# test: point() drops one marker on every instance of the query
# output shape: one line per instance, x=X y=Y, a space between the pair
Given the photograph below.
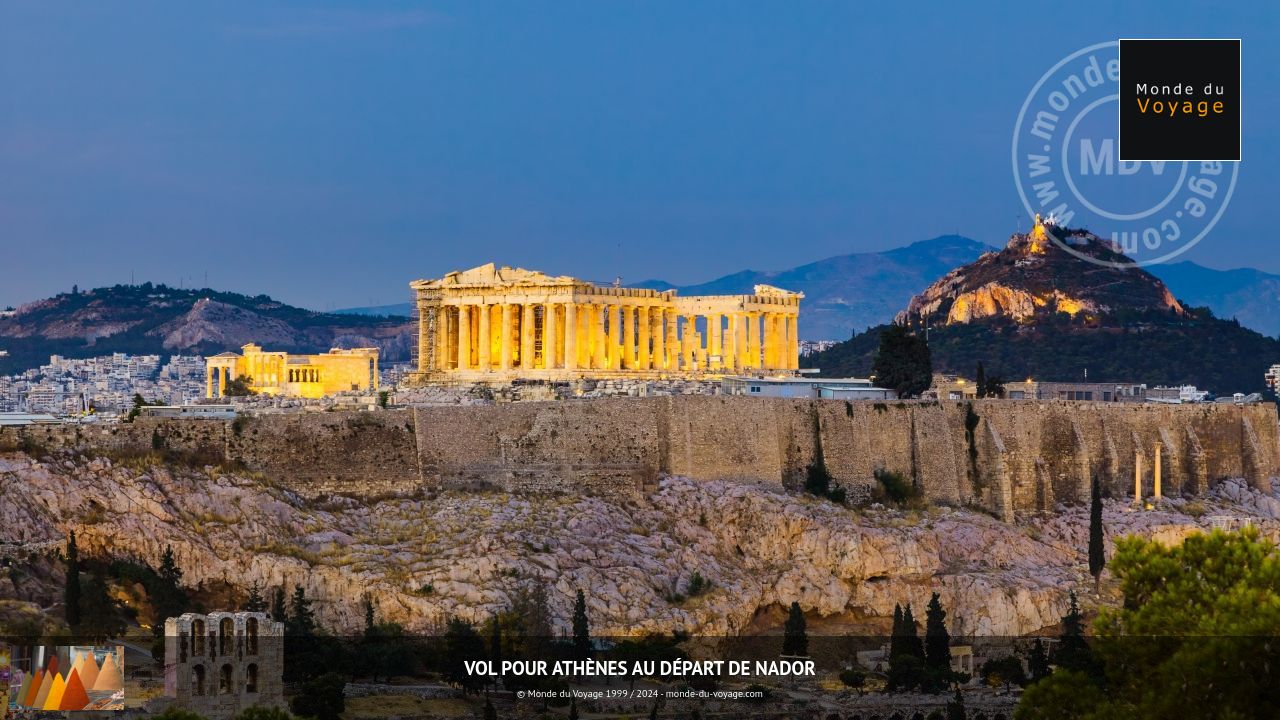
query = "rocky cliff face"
x=1035 y=276
x=465 y=554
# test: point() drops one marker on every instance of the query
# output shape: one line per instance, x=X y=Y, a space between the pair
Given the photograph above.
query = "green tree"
x=99 y=617
x=1073 y=652
x=490 y=713
x=903 y=363
x=255 y=602
x=581 y=629
x=1004 y=671
x=321 y=698
x=278 y=608
x=495 y=643
x=573 y=709
x=1037 y=662
x=795 y=639
x=1193 y=638
x=463 y=644
x=937 y=646
x=301 y=620
x=906 y=654
x=71 y=594
x=1097 y=551
x=240 y=386
x=980 y=381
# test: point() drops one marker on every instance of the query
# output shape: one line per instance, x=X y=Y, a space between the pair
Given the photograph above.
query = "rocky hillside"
x=1033 y=309
x=155 y=319
x=1034 y=278
x=465 y=554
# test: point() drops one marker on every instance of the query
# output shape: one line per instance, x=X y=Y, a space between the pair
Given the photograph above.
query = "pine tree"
x=795 y=640
x=1038 y=661
x=278 y=611
x=71 y=596
x=1097 y=554
x=581 y=629
x=1073 y=652
x=302 y=621
x=937 y=645
x=255 y=602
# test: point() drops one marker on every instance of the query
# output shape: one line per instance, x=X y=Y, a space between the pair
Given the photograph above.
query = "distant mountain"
x=155 y=319
x=396 y=310
x=1248 y=295
x=1034 y=310
x=849 y=292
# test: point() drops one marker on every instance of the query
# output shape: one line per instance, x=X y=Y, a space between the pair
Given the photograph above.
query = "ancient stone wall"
x=1008 y=456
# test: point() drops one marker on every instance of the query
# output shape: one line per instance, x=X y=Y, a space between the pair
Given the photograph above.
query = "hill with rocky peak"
x=1033 y=276
x=156 y=319
x=1034 y=309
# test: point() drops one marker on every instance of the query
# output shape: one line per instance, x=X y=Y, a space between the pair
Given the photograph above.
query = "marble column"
x=792 y=341
x=642 y=342
x=505 y=339
x=715 y=344
x=769 y=339
x=628 y=337
x=208 y=381
x=730 y=345
x=658 y=329
x=527 y=327
x=444 y=338
x=753 y=340
x=464 y=337
x=599 y=340
x=673 y=340
x=424 y=320
x=550 y=346
x=614 y=360
x=570 y=336
x=485 y=344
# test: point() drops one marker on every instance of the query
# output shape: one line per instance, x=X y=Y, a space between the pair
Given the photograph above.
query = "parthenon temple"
x=499 y=324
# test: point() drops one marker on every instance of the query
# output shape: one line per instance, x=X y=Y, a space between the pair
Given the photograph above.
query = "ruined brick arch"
x=251 y=678
x=918 y=716
x=251 y=636
x=197 y=638
x=226 y=636
x=226 y=680
x=198 y=680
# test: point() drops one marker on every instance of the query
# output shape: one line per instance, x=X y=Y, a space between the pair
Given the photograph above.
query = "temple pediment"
x=771 y=291
x=490 y=275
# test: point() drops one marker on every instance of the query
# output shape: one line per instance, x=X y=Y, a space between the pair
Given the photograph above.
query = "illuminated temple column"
x=769 y=338
x=504 y=336
x=715 y=347
x=485 y=340
x=740 y=340
x=642 y=344
x=464 y=337
x=424 y=319
x=628 y=337
x=550 y=341
x=527 y=322
x=793 y=341
x=729 y=348
x=615 y=337
x=753 y=340
x=672 y=320
x=444 y=338
x=208 y=381
x=570 y=336
x=599 y=354
x=659 y=335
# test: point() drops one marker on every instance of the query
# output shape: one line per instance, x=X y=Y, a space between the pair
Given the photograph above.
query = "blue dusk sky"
x=328 y=153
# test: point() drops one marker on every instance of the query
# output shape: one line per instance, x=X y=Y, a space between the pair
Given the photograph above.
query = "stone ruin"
x=224 y=662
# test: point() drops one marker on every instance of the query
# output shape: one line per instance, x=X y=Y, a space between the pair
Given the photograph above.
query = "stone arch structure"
x=219 y=664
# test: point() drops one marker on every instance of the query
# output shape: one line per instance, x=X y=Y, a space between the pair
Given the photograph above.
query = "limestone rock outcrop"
x=428 y=557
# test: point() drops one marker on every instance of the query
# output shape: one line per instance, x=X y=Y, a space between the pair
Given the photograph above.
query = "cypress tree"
x=937 y=645
x=495 y=644
x=573 y=709
x=1097 y=554
x=302 y=621
x=255 y=602
x=1038 y=662
x=581 y=629
x=895 y=639
x=795 y=640
x=911 y=634
x=368 y=616
x=71 y=596
x=981 y=381
x=955 y=708
x=490 y=713
x=278 y=612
